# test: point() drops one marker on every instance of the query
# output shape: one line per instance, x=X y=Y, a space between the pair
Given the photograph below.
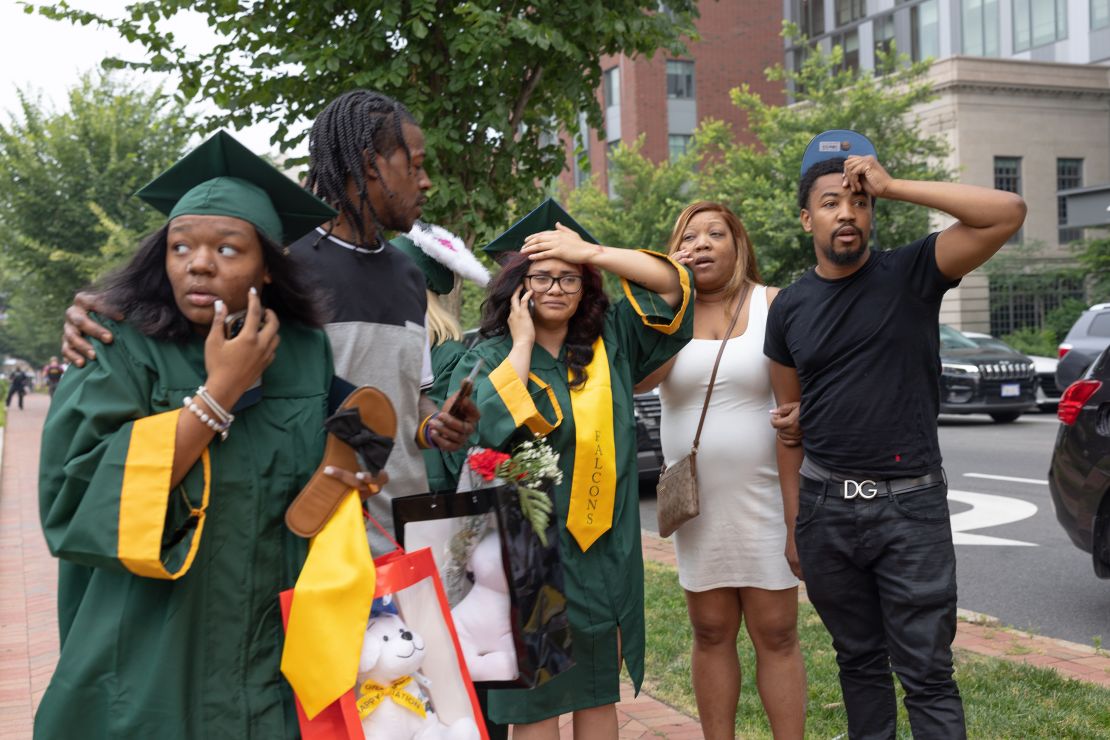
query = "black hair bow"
x=371 y=449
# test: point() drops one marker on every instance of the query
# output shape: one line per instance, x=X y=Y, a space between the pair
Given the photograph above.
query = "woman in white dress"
x=731 y=558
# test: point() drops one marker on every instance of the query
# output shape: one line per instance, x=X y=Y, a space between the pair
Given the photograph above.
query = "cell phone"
x=466 y=388
x=233 y=324
x=531 y=307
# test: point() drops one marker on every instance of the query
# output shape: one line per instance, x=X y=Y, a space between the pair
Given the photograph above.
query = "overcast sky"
x=47 y=57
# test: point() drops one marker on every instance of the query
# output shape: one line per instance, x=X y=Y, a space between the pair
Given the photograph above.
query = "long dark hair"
x=583 y=329
x=141 y=291
x=352 y=131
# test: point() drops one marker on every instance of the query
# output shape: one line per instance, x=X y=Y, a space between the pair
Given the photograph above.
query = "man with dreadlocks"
x=366 y=160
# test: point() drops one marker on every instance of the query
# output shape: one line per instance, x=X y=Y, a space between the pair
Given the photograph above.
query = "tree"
x=647 y=197
x=759 y=181
x=491 y=82
x=1094 y=259
x=66 y=211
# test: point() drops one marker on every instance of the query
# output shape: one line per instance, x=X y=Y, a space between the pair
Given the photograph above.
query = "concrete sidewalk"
x=28 y=623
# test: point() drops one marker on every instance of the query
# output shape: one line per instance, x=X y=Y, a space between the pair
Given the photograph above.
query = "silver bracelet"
x=220 y=428
x=217 y=409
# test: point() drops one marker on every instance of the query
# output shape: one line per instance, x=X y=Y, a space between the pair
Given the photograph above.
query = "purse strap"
x=717 y=363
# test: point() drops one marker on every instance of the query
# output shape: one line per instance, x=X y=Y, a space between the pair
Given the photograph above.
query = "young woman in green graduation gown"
x=171 y=540
x=560 y=362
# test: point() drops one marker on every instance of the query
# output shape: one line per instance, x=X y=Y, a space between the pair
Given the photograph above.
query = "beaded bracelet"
x=216 y=426
x=218 y=410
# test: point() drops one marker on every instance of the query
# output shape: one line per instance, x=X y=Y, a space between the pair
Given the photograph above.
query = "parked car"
x=1079 y=476
x=1047 y=394
x=983 y=380
x=1088 y=336
x=649 y=448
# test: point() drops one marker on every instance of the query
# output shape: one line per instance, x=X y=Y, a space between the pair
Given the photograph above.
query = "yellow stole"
x=373 y=694
x=331 y=605
x=593 y=488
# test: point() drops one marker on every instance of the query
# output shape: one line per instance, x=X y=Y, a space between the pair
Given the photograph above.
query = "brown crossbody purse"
x=677 y=491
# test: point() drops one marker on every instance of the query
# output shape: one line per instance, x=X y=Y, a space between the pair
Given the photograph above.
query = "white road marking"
x=988 y=510
x=1007 y=478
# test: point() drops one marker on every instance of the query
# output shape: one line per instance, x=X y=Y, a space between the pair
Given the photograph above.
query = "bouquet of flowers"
x=531 y=465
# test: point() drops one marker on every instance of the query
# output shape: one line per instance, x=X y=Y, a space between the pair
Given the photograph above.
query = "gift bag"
x=411 y=670
x=504 y=586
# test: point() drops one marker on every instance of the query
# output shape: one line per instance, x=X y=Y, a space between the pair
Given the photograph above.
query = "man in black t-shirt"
x=856 y=340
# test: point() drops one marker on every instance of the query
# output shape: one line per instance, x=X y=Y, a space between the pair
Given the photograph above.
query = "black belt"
x=849 y=489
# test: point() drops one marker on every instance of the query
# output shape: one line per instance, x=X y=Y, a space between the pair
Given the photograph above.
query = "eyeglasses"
x=540 y=283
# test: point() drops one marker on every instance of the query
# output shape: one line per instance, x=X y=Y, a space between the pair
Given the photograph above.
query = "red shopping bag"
x=412 y=580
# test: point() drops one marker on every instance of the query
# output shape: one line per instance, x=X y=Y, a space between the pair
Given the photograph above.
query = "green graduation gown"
x=168 y=600
x=443 y=467
x=605 y=584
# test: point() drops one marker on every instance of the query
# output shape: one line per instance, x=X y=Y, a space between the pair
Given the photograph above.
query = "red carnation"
x=485 y=463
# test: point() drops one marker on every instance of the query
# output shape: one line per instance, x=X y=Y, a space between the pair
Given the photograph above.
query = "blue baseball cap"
x=835 y=144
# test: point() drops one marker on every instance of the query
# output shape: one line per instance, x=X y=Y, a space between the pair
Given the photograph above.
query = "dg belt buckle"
x=865 y=489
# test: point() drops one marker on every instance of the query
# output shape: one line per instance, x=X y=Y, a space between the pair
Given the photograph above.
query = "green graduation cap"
x=221 y=177
x=543 y=218
x=438 y=278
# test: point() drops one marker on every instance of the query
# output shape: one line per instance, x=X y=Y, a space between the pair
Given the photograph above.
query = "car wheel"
x=1005 y=417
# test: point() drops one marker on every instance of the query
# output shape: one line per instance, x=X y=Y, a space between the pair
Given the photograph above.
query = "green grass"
x=1001 y=699
x=3 y=397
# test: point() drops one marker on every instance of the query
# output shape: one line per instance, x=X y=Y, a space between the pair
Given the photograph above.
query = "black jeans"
x=882 y=575
x=13 y=391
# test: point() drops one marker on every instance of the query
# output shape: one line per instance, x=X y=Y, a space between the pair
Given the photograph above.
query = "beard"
x=843 y=259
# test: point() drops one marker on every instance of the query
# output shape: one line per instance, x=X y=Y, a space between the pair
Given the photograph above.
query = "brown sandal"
x=318 y=500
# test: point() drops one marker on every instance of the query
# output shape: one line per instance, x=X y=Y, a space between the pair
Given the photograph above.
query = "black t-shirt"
x=866 y=348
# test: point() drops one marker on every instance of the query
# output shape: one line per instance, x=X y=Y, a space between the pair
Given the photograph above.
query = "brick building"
x=665 y=97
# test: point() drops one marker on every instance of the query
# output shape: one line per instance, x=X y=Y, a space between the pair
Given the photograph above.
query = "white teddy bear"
x=391 y=701
x=482 y=617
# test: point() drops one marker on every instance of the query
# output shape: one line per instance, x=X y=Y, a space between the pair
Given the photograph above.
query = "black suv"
x=1079 y=477
x=984 y=380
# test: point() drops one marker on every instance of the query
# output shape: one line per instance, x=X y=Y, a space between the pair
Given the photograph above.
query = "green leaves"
x=536 y=507
x=66 y=211
x=459 y=67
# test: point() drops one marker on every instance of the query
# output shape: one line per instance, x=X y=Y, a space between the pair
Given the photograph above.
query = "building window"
x=883 y=31
x=849 y=10
x=680 y=80
x=925 y=31
x=1007 y=176
x=612 y=87
x=678 y=144
x=581 y=151
x=1069 y=174
x=1039 y=22
x=1100 y=14
x=610 y=180
x=810 y=16
x=980 y=27
x=849 y=42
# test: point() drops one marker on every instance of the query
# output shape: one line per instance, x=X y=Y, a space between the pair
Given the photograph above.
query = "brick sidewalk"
x=28 y=575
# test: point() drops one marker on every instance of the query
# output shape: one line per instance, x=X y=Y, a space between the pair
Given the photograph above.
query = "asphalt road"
x=1014 y=562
